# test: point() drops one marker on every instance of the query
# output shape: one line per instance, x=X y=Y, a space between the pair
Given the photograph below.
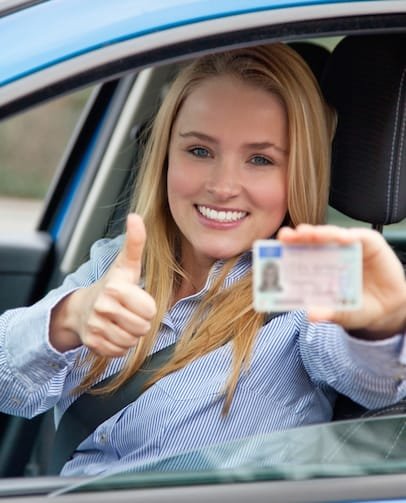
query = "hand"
x=111 y=315
x=383 y=312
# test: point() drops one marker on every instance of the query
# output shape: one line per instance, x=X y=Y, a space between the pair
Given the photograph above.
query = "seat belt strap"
x=86 y=413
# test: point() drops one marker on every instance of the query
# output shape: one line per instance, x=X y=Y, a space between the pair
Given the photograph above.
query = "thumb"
x=134 y=243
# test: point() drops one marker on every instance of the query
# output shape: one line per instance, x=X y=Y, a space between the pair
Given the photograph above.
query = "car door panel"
x=23 y=262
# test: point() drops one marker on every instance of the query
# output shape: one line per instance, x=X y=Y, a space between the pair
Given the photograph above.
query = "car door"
x=86 y=200
x=30 y=259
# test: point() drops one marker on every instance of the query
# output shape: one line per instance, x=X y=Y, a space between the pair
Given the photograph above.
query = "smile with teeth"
x=221 y=216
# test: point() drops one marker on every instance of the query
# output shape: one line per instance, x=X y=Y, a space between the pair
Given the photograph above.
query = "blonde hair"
x=225 y=314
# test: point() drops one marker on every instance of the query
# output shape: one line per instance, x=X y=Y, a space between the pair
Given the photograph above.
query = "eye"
x=200 y=152
x=260 y=160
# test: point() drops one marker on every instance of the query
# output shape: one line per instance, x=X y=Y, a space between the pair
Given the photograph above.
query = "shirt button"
x=103 y=438
x=15 y=401
x=55 y=365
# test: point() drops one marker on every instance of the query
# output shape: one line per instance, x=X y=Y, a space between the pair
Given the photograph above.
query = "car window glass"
x=364 y=446
x=31 y=146
x=335 y=217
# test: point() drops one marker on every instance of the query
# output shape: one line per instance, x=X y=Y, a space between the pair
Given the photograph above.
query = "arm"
x=100 y=308
x=359 y=353
x=32 y=371
x=369 y=372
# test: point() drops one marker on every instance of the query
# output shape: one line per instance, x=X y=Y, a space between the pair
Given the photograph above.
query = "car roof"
x=42 y=34
x=56 y=46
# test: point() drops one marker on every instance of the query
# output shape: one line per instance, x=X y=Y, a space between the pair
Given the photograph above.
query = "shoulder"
x=106 y=247
x=101 y=256
x=103 y=252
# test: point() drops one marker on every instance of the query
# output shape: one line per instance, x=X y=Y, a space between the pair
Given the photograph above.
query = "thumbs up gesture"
x=111 y=315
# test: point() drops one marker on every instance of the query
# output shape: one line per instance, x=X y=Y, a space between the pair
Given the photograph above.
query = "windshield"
x=338 y=449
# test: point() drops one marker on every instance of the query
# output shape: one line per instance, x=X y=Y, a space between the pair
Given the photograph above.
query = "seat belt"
x=86 y=413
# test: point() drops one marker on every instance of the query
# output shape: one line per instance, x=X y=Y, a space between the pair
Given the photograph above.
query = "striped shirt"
x=296 y=369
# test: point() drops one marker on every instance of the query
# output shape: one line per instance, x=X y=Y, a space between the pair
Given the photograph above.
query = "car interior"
x=363 y=78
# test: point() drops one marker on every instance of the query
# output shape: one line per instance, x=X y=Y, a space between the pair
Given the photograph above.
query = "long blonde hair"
x=225 y=314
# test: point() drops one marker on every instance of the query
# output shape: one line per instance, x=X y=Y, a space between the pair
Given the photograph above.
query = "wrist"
x=64 y=323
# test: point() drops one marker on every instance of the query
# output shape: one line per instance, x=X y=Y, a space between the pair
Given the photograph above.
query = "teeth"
x=221 y=216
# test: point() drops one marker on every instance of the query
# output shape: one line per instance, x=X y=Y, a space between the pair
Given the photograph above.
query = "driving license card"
x=288 y=277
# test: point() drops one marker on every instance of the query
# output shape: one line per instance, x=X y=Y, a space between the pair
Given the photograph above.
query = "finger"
x=119 y=337
x=109 y=309
x=141 y=304
x=316 y=234
x=129 y=296
x=318 y=314
x=373 y=243
x=131 y=254
x=102 y=333
x=104 y=347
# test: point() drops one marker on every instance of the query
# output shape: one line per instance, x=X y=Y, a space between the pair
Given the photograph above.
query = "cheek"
x=175 y=178
x=180 y=185
x=272 y=194
x=181 y=181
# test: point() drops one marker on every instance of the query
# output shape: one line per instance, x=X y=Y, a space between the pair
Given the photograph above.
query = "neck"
x=197 y=271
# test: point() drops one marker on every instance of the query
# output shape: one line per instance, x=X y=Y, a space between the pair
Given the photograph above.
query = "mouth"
x=222 y=216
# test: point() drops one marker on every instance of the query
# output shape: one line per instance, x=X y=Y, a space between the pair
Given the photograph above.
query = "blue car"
x=80 y=80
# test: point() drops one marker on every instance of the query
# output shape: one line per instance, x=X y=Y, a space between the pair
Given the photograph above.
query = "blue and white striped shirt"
x=296 y=369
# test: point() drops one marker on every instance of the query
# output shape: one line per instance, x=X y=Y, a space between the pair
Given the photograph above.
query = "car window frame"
x=230 y=40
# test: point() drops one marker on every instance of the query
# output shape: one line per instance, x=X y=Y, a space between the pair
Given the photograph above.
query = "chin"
x=226 y=254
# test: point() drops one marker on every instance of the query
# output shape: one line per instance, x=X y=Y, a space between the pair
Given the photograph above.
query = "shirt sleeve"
x=32 y=372
x=371 y=373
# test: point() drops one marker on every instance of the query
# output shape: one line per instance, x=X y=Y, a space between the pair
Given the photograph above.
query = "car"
x=116 y=59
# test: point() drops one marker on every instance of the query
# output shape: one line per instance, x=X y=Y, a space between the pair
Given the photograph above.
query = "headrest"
x=365 y=81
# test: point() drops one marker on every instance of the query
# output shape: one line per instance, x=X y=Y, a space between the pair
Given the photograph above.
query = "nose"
x=224 y=181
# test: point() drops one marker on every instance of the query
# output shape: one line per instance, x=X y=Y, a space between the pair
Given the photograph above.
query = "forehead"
x=217 y=84
x=229 y=97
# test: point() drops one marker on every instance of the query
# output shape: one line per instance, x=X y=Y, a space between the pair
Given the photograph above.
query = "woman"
x=270 y=278
x=239 y=148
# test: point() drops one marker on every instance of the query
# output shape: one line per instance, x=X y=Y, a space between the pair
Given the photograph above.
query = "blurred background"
x=31 y=146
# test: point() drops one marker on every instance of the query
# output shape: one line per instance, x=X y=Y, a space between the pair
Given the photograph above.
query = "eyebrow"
x=254 y=145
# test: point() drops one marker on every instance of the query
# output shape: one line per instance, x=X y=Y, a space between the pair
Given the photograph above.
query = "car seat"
x=365 y=81
x=315 y=55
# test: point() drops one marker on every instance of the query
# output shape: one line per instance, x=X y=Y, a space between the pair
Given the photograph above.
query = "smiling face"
x=227 y=170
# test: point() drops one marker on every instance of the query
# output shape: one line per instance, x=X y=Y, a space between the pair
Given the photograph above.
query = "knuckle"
x=117 y=352
x=90 y=341
x=145 y=328
x=150 y=308
x=93 y=328
x=139 y=331
x=111 y=289
x=99 y=305
x=139 y=327
x=103 y=308
x=153 y=310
